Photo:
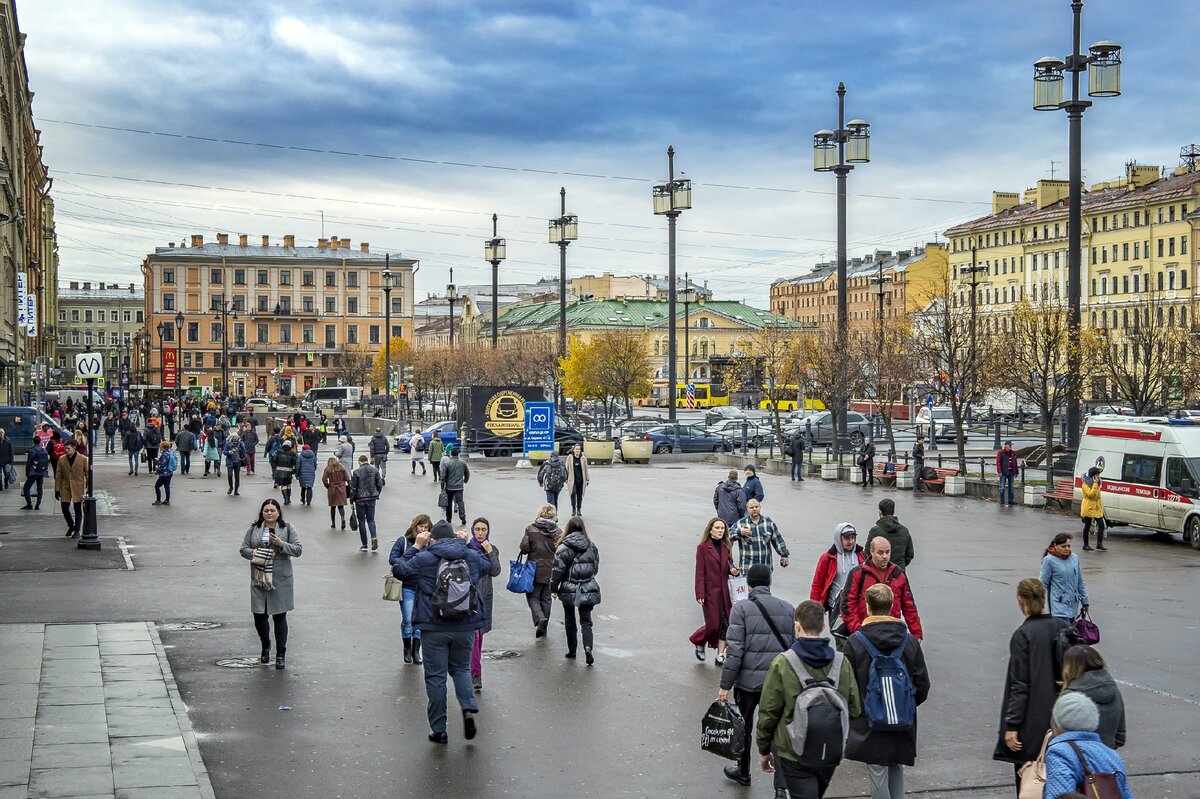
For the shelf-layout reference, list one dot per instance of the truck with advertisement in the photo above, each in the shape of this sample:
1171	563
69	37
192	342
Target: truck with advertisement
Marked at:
491	420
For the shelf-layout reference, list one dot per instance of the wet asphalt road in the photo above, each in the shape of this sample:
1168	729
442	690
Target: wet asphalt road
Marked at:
629	726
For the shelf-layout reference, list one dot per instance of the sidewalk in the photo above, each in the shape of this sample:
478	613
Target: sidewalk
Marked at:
92	710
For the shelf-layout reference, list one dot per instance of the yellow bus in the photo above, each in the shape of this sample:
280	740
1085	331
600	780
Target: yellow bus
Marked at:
708	395
786	398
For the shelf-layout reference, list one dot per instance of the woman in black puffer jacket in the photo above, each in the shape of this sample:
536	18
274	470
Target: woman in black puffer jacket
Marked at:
576	564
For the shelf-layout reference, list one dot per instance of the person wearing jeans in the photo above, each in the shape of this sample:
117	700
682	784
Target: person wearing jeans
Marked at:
133	446
1006	468
163	467
37	466
408	596
365	485
797	453
540	543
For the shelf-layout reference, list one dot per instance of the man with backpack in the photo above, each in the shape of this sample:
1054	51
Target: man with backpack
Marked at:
890	670
759	629
814	687
445	572
416	449
552	477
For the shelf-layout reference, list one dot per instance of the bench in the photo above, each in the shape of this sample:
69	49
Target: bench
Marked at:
1063	493
888	478
939	483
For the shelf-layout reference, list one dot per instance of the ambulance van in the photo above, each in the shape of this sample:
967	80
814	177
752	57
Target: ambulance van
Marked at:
1150	474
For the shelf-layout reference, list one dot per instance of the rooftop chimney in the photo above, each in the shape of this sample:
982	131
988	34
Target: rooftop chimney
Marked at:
289	240
322	244
266	241
242	239
74	285
222	238
364	246
87	285
131	291
197	240
171	244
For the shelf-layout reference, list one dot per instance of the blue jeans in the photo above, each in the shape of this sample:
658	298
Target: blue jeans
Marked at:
798	468
366	515
552	497
447	653
163	482
110	443
133	461
408	599
1007	480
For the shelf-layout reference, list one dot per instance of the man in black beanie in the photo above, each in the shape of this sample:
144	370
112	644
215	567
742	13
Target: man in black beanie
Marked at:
760	627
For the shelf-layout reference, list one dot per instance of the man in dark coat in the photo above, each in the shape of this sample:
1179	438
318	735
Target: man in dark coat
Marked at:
729	501
1007	468
890	528
918	463
752	643
866	462
886	752
796	450
752	488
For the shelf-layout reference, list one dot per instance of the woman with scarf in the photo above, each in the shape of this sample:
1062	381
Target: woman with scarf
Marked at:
1092	510
269	545
833	567
481	530
212	451
1063	578
714	567
411	636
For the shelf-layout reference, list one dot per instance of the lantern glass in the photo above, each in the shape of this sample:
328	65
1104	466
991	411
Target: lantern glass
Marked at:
662	199
824	151
1047	84
555	232
681	195
387	279
1104	70
858	144
499	250
451	292
571	228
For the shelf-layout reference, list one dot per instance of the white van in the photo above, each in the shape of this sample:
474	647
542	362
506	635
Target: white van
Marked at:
1151	471
338	397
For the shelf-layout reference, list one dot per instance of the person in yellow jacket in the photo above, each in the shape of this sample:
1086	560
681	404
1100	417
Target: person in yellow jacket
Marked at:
1092	510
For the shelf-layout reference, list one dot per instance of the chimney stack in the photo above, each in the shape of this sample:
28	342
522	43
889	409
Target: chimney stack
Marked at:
334	242
222	238
171	245
131	291
266	241
75	285
197	240
242	239
364	246
87	285
322	244
289	240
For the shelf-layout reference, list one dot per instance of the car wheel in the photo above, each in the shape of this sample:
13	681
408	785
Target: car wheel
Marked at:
756	441
1191	533
718	448
662	449
856	438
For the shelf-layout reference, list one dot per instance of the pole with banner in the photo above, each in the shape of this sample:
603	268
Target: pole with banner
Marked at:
89	366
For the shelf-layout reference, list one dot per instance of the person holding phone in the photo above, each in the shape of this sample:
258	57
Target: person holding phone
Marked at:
1092	510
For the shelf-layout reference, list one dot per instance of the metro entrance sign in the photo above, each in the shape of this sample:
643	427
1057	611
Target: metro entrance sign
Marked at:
539	427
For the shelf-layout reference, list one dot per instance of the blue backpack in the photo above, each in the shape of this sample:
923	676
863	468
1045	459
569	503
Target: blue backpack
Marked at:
890	701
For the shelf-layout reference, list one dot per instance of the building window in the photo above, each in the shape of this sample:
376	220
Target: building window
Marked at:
187	360
285	334
263	335
239	302
397	331
100	316
352	279
1171	213
262	361
214	276
214	331
1137	250
1124	252
1183	279
75	337
1183	245
239	277
1136	277
331	278
397	306
1170	281
285	304
1124	220
352	334
330	336
1160	248
1160	216
141	317
87	316
1125	283
193	332
199	360
306	333
263	299
239	334
62	316
285	277
352	305
168	275
262	277
306	277
128	315
373	334
1171	245
168	301
307	304
1160	282
331	305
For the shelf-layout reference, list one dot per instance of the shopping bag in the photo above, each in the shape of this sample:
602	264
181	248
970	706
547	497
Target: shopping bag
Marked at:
1089	631
353	519
520	575
723	730
739	588
1033	775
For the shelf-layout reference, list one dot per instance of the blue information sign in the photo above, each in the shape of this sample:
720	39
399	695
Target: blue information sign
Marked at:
539	427
929	401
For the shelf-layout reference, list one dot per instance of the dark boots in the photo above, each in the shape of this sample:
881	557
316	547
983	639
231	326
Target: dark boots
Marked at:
416	651
408	648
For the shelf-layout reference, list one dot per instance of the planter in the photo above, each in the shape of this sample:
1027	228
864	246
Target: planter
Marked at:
636	451
956	486
1033	496
904	480
829	471
599	452
539	456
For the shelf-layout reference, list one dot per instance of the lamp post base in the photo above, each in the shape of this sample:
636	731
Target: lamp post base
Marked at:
90	539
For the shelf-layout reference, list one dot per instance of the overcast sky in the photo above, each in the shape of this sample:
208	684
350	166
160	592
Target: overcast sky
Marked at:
409	122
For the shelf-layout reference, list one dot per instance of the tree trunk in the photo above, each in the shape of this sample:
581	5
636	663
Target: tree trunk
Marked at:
891	436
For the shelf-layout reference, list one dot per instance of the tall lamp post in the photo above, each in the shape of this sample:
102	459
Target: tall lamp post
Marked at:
837	151
563	231
670	199
687	325
495	250
452	295
972	368
880	281
162	370
143	341
387	328
222	308
1103	65
179	352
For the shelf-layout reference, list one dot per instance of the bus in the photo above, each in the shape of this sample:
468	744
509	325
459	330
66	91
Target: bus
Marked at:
339	397
707	395
786	397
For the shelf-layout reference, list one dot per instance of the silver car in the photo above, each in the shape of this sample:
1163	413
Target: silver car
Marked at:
756	434
820	425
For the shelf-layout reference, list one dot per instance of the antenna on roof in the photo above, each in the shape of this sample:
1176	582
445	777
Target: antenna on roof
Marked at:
1053	171
1189	155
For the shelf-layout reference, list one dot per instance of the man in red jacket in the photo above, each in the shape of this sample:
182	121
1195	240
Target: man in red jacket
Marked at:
1007	467
879	569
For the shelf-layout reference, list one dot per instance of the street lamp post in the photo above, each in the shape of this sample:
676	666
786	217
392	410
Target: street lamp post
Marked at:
881	280
452	295
1103	64
222	308
387	327
494	251
687	325
972	368
179	353
162	369
670	199
563	231
837	151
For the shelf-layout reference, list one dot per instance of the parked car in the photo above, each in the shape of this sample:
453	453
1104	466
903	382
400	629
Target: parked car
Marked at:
259	404
820	425
485	442
943	423
1112	410
636	428
756	434
20	424
448	429
690	439
722	413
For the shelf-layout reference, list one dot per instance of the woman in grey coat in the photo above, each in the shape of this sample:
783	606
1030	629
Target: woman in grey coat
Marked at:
481	530
345	454
269	545
573	581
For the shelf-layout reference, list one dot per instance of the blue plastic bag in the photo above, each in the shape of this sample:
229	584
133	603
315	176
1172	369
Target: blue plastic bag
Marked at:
520	575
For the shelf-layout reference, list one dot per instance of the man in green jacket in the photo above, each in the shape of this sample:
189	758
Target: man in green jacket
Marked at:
890	528
435	454
779	693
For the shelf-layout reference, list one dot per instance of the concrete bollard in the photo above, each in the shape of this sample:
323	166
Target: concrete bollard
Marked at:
956	486
904	480
1033	496
829	471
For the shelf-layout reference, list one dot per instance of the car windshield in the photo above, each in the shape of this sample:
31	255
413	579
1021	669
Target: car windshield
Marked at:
942	413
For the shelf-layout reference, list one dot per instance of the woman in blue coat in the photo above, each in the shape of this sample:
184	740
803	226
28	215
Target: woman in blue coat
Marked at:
1063	577
306	474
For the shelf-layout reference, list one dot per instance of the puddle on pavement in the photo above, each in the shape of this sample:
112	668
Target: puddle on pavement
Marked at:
187	626
500	654
240	663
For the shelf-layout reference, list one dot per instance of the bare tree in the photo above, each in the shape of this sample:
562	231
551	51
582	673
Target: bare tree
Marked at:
354	365
889	365
826	372
1147	354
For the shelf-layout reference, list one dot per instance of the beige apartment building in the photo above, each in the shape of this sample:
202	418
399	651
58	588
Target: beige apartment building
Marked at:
105	317
296	318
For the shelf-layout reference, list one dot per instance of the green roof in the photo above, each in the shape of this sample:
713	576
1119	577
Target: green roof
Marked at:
630	314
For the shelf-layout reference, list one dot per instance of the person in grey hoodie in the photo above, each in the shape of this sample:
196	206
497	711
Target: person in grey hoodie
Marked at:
1084	671
759	629
728	499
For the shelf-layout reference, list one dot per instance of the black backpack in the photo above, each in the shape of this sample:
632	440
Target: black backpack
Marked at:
455	597
556	474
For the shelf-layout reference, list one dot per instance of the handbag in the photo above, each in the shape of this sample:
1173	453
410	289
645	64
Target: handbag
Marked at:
1096	785
443	500
1033	775
1089	631
520	575
393	588
354	519
739	588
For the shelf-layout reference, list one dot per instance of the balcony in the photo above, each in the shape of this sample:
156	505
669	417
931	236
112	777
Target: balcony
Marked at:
278	312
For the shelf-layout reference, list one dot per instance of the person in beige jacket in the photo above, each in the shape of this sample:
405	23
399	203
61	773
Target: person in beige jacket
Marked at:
577	478
70	484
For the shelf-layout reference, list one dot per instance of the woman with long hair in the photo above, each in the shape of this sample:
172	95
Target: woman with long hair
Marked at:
1084	670
573	581
714	567
270	544
411	636
1031	684
336	481
481	532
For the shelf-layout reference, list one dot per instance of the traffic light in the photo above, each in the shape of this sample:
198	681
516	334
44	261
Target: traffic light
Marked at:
408	374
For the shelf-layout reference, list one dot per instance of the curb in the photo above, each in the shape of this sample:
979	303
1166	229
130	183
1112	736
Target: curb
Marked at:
181	716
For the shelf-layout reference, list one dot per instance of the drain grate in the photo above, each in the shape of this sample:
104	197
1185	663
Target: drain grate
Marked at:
187	626
500	654
239	663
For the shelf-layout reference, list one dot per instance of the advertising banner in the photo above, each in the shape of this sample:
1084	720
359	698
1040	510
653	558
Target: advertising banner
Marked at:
170	370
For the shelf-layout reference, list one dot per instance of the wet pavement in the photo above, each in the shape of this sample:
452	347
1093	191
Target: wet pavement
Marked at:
347	717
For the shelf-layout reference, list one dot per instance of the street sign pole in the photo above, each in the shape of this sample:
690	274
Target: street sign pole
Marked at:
90	365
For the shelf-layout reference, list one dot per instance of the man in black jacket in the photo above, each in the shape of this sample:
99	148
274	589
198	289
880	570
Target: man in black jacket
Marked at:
797	453
918	463
866	462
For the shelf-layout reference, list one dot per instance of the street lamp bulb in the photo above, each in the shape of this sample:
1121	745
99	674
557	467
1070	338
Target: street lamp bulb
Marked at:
495	250
1104	69
387	280
179	319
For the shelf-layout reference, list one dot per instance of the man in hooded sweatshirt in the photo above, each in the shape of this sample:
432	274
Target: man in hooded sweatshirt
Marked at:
890	528
834	567
728	499
446	645
782	687
378	447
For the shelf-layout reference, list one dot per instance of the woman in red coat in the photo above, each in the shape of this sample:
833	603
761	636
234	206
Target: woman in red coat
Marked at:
714	567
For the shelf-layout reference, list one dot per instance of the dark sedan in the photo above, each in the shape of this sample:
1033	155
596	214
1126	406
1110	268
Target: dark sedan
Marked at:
690	439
